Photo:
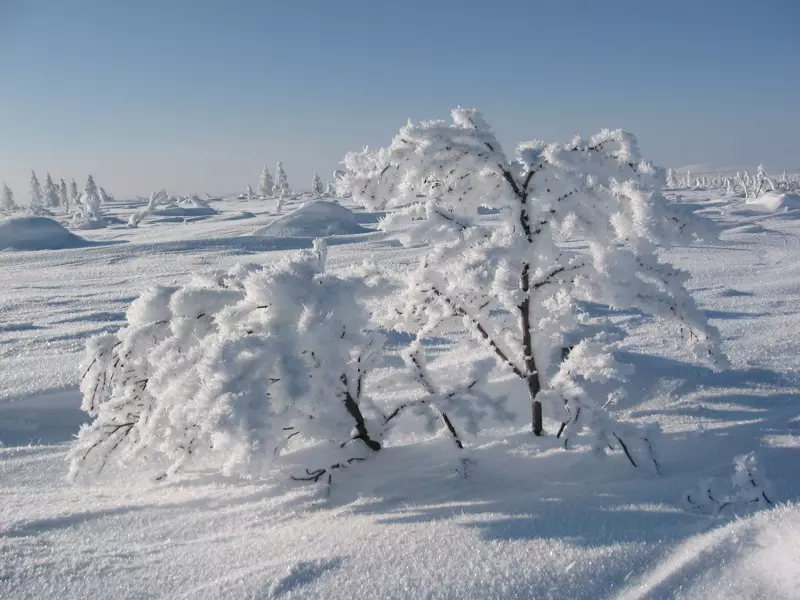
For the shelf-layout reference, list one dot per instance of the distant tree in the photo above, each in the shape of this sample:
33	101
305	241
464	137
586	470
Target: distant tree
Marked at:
74	195
249	192
316	186
265	183
51	198
7	201
91	199
105	197
688	181
63	196
330	189
37	198
281	181
513	285
672	179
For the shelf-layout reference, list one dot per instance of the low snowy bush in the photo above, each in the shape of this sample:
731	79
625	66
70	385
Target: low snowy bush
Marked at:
748	488
512	281
225	371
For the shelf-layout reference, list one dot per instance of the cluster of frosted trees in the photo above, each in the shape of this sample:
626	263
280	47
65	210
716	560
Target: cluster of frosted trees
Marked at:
85	208
750	185
279	189
283	367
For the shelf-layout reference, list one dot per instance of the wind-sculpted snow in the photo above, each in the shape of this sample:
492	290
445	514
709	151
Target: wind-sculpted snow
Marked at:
319	218
37	233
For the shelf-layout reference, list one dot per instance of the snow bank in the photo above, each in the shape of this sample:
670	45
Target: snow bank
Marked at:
192	207
774	202
36	233
314	219
751	558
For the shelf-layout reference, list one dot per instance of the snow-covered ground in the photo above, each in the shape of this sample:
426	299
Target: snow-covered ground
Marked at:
529	520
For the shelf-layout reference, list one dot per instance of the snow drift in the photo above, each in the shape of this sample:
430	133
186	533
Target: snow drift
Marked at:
774	202
320	218
37	233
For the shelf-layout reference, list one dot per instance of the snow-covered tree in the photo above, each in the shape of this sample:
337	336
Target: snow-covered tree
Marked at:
688	182
265	183
105	197
91	197
330	189
63	196
249	192
74	195
281	181
51	198
37	197
672	179
7	203
512	283
754	186
316	186
89	214
231	369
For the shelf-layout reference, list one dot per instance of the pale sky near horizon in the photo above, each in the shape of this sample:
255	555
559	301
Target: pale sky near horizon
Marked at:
196	95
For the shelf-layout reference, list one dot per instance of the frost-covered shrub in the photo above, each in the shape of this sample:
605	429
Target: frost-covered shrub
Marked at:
225	370
156	199
748	488
511	280
265	183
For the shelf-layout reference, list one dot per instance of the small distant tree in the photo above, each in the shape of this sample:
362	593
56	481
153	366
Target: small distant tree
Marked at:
754	186
89	214
688	182
51	198
7	203
265	183
316	186
513	285
63	195
330	189
37	197
281	181
672	179
249	192
231	369
74	195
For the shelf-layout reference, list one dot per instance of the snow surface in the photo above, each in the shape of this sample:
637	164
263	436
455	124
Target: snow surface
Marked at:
36	233
520	518
774	202
319	218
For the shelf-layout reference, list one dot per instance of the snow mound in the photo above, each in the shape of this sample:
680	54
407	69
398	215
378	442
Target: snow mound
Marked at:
314	219
36	233
185	208
774	202
749	558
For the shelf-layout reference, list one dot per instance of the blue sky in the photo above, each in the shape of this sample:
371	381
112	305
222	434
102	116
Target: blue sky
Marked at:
196	95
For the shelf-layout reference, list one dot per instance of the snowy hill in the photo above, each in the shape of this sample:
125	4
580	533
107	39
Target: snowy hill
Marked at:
511	517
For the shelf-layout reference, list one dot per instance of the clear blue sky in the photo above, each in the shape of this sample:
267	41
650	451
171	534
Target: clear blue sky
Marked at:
199	94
